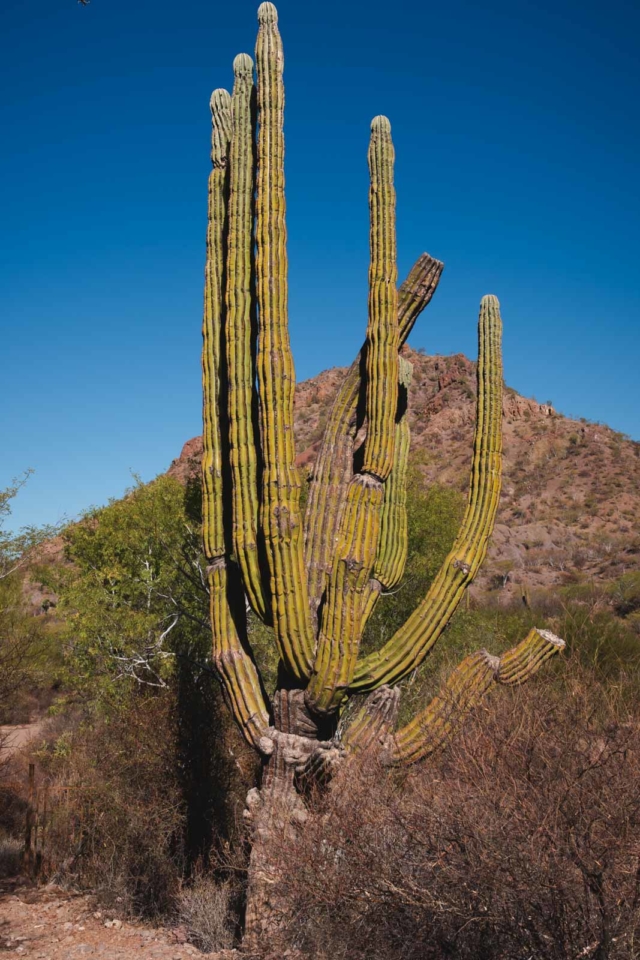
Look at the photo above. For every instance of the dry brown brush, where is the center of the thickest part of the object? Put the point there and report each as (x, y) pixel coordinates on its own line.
(521, 840)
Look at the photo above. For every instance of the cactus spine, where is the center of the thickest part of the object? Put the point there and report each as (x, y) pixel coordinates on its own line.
(317, 582)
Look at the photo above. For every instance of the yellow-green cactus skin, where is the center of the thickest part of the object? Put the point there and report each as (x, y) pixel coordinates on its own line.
(213, 534)
(231, 657)
(382, 332)
(317, 580)
(359, 534)
(407, 649)
(465, 687)
(334, 465)
(391, 558)
(243, 453)
(342, 619)
(281, 516)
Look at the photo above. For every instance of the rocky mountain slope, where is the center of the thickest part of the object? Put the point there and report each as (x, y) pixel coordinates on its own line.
(570, 506)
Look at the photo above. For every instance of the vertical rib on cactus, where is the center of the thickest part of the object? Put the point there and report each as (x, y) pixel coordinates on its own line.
(411, 643)
(281, 521)
(373, 722)
(358, 538)
(392, 551)
(519, 664)
(464, 688)
(342, 616)
(334, 464)
(213, 532)
(434, 725)
(242, 441)
(236, 669)
(391, 559)
(382, 330)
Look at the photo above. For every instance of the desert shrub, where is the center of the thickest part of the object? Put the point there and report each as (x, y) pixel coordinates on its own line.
(23, 652)
(152, 784)
(208, 910)
(10, 857)
(118, 827)
(626, 594)
(521, 840)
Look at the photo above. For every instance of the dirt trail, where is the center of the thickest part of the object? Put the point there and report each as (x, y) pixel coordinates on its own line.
(49, 923)
(14, 738)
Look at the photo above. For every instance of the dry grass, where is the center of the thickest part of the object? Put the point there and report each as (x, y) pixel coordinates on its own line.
(208, 911)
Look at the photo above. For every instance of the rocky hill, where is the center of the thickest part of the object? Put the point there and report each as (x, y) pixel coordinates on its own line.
(570, 506)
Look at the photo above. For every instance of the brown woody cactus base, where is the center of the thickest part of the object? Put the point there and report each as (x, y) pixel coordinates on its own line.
(316, 580)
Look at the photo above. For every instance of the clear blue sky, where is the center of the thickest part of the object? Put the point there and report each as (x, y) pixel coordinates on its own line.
(516, 131)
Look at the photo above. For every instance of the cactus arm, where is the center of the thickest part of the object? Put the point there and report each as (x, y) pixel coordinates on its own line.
(357, 547)
(464, 688)
(412, 642)
(212, 525)
(238, 337)
(334, 465)
(231, 656)
(234, 664)
(280, 519)
(373, 722)
(391, 559)
(392, 551)
(438, 722)
(520, 663)
(342, 616)
(382, 329)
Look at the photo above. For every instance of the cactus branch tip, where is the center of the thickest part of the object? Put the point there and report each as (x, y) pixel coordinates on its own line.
(267, 13)
(220, 99)
(242, 65)
(381, 126)
(551, 638)
(490, 301)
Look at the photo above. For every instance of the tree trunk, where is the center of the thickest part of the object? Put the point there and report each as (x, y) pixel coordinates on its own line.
(274, 811)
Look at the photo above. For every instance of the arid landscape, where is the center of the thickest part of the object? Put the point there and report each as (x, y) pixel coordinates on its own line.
(570, 503)
(356, 674)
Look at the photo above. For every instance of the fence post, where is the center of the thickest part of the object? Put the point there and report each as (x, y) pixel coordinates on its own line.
(28, 835)
(43, 865)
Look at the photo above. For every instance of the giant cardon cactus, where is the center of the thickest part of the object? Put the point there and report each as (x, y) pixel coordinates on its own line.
(316, 579)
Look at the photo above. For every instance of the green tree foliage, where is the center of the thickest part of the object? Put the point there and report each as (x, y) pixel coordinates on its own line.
(21, 637)
(133, 595)
(15, 547)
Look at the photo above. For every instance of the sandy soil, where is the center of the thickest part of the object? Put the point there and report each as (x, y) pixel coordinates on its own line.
(49, 923)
